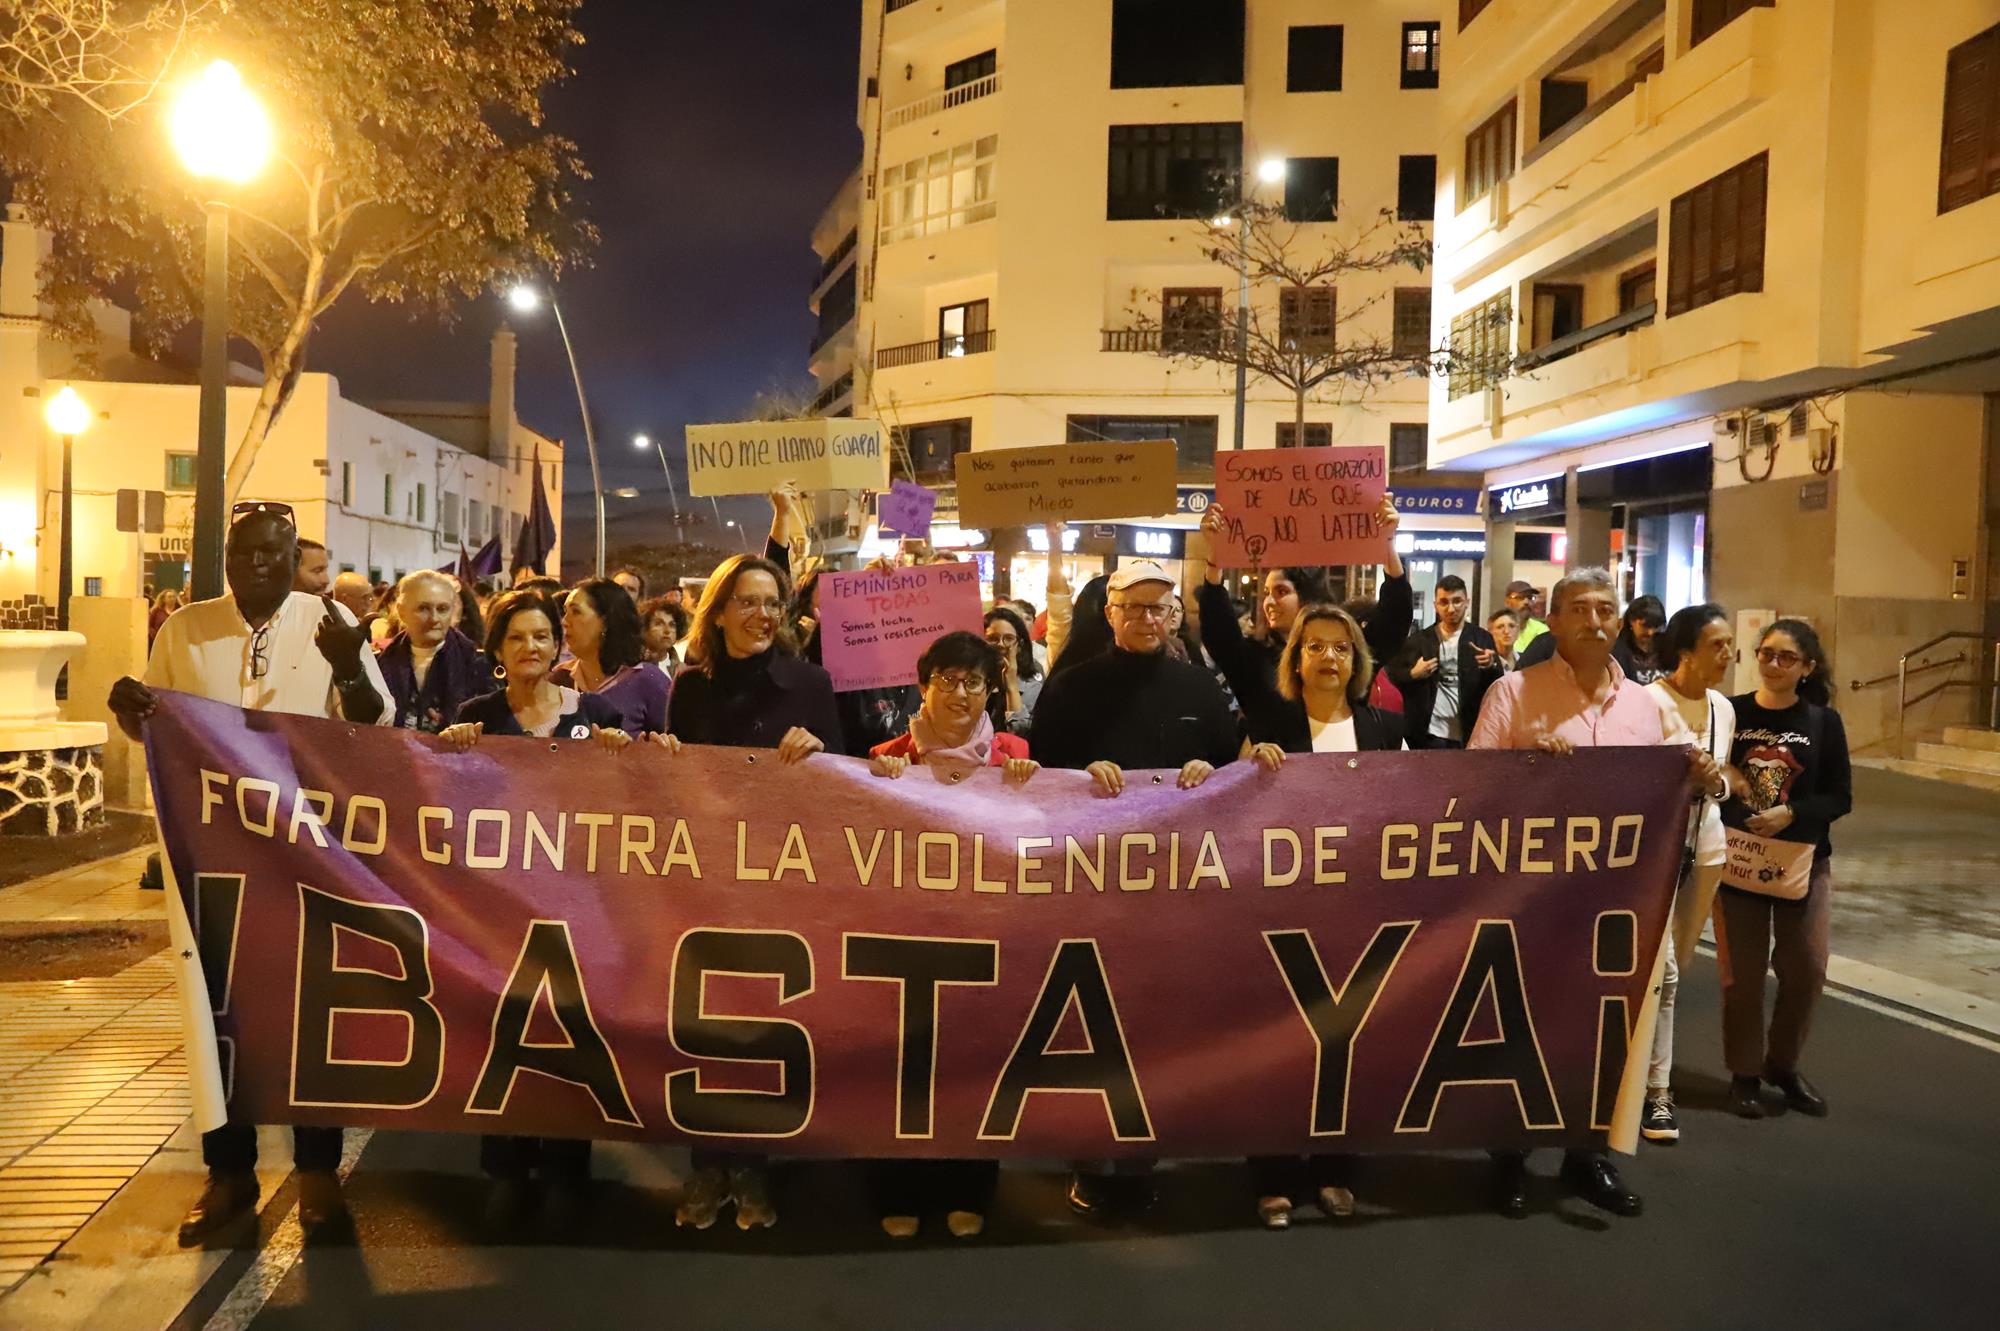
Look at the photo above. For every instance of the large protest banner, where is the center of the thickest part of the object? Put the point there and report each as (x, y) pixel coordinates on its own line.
(1301, 506)
(874, 625)
(756, 457)
(1004, 487)
(1381, 951)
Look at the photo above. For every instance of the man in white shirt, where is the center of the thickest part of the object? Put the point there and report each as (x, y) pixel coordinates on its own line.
(267, 648)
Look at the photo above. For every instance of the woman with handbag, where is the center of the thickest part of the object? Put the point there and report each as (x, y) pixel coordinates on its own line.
(1698, 647)
(1793, 782)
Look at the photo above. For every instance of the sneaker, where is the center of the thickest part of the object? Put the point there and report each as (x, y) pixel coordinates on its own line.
(965, 1224)
(1336, 1201)
(1658, 1123)
(1275, 1212)
(702, 1198)
(901, 1226)
(751, 1187)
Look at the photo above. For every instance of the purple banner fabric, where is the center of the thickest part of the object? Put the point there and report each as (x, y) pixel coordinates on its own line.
(1371, 952)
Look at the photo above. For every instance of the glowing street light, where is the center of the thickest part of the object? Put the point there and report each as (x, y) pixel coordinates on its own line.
(642, 442)
(69, 416)
(222, 135)
(1271, 171)
(525, 299)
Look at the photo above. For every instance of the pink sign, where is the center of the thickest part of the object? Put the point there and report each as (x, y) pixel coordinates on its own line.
(906, 508)
(874, 626)
(1300, 506)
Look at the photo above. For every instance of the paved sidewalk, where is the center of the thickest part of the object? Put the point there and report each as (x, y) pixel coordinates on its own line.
(92, 1075)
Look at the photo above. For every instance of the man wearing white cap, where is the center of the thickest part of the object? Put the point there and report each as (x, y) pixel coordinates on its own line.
(1134, 708)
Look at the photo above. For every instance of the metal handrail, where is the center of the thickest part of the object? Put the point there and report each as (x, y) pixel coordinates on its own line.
(1903, 673)
(1856, 685)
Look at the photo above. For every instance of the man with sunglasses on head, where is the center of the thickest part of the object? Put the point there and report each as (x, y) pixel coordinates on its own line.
(263, 647)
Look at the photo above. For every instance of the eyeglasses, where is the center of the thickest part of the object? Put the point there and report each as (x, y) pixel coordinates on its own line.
(251, 507)
(1339, 651)
(1782, 659)
(1003, 640)
(1143, 609)
(750, 605)
(966, 684)
(260, 651)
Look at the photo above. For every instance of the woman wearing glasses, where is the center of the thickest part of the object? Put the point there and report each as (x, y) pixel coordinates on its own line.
(1792, 781)
(745, 685)
(954, 734)
(1319, 704)
(1020, 684)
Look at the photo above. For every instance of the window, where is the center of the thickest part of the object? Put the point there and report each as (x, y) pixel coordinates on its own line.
(1409, 447)
(1715, 243)
(1712, 16)
(375, 574)
(972, 69)
(1469, 10)
(1420, 55)
(475, 520)
(1190, 318)
(1193, 436)
(939, 192)
(1489, 155)
(388, 496)
(1563, 100)
(1318, 434)
(347, 486)
(932, 446)
(836, 309)
(180, 471)
(1970, 168)
(1558, 311)
(1312, 189)
(1176, 43)
(1306, 319)
(1171, 170)
(1413, 322)
(1482, 345)
(1635, 287)
(448, 516)
(423, 514)
(962, 329)
(1312, 58)
(1416, 188)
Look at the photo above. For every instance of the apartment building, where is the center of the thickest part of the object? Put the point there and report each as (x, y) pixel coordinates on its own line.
(1029, 212)
(389, 488)
(1725, 277)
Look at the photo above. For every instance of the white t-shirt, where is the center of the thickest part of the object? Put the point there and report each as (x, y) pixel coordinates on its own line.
(1444, 712)
(1686, 721)
(207, 649)
(1333, 736)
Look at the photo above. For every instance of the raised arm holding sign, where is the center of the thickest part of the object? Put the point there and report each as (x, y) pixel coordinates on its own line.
(1301, 506)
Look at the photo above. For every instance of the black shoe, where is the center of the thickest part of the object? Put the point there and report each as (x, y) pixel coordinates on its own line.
(1658, 1123)
(566, 1206)
(1746, 1097)
(322, 1207)
(1800, 1094)
(1090, 1195)
(225, 1199)
(1595, 1179)
(509, 1203)
(1510, 1185)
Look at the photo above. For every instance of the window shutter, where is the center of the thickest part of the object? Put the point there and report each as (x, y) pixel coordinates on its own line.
(1750, 230)
(1680, 256)
(1701, 281)
(1969, 170)
(1728, 195)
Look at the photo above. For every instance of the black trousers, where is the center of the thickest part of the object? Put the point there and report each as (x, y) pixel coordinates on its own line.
(232, 1148)
(932, 1187)
(1299, 1178)
(516, 1157)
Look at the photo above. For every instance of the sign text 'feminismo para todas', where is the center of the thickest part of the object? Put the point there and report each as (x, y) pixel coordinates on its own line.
(1005, 487)
(874, 625)
(756, 457)
(1360, 952)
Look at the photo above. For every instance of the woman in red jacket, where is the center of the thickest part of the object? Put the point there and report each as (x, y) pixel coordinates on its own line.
(955, 733)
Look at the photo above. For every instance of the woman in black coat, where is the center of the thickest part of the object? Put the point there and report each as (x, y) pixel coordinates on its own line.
(1318, 705)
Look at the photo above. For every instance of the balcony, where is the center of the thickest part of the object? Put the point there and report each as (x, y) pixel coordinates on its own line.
(835, 259)
(1583, 337)
(832, 393)
(925, 107)
(937, 348)
(1148, 341)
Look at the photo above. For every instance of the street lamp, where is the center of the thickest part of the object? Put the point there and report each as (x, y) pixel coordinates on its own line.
(645, 441)
(742, 537)
(222, 135)
(526, 300)
(69, 416)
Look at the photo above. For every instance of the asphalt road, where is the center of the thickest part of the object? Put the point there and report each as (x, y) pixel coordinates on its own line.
(1883, 1215)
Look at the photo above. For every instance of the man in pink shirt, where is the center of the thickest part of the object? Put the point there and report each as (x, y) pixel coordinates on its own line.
(1577, 699)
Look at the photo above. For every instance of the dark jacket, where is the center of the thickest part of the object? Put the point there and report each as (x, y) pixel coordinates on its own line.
(492, 711)
(1250, 665)
(1140, 712)
(752, 703)
(459, 672)
(1420, 695)
(1284, 723)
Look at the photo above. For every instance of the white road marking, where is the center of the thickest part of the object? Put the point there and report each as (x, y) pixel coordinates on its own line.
(278, 1257)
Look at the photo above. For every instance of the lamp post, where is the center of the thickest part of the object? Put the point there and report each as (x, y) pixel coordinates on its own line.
(642, 442)
(69, 416)
(1270, 171)
(222, 135)
(526, 300)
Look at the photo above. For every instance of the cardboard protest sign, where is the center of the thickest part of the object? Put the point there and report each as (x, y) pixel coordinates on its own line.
(1006, 487)
(906, 508)
(873, 626)
(1300, 506)
(756, 457)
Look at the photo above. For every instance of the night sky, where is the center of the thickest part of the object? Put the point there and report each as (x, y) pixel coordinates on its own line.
(715, 134)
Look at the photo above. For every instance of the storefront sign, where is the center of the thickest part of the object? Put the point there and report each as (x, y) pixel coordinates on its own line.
(1004, 487)
(1303, 506)
(1452, 545)
(1151, 542)
(1193, 500)
(874, 626)
(1456, 503)
(1531, 497)
(756, 457)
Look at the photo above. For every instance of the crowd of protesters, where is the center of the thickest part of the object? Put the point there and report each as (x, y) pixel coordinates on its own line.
(1112, 678)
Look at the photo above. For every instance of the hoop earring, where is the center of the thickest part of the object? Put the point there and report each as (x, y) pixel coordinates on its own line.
(499, 671)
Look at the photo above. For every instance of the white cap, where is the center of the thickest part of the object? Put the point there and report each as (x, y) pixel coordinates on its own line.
(1132, 572)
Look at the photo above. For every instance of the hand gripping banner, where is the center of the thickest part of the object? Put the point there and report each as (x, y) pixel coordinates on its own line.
(1367, 952)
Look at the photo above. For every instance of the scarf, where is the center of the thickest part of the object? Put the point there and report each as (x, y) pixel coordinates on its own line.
(933, 752)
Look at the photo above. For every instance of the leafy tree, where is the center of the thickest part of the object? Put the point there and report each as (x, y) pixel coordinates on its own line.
(105, 56)
(412, 166)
